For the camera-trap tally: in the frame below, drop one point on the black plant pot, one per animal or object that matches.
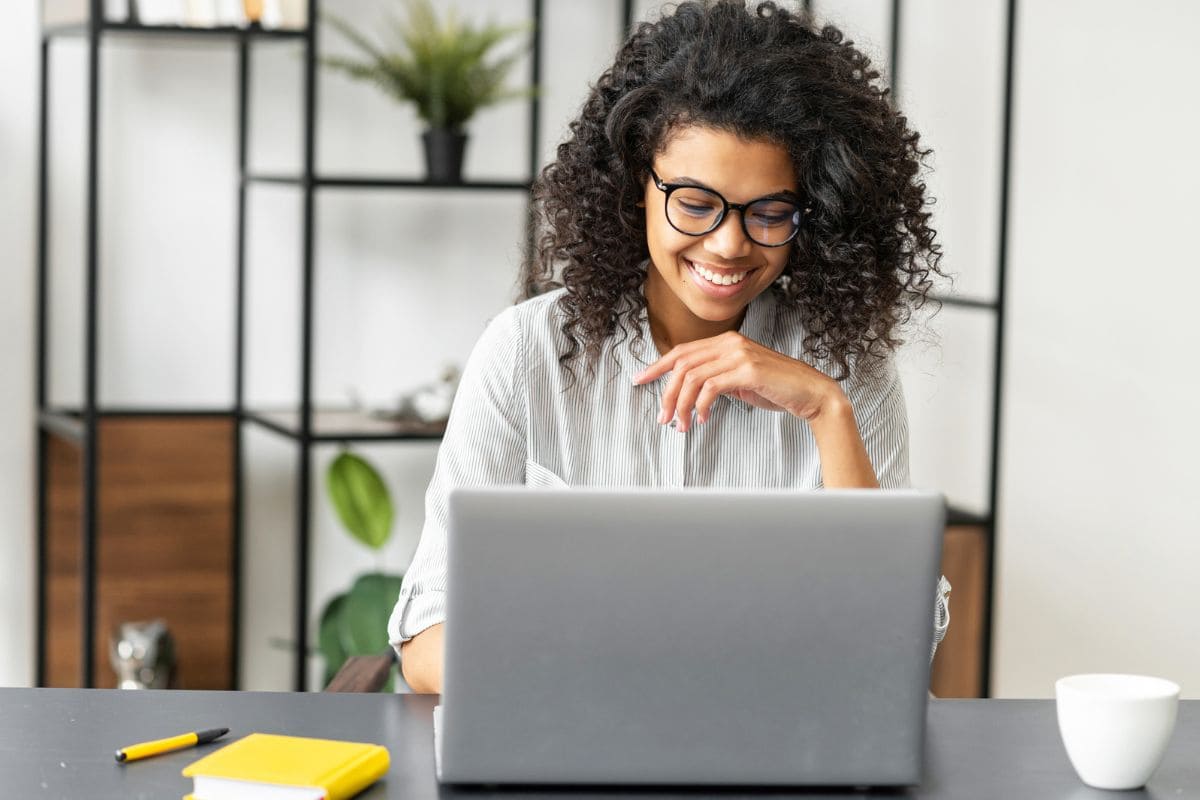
(444, 150)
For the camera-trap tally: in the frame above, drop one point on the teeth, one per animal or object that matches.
(720, 280)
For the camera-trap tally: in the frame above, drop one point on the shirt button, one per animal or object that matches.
(672, 423)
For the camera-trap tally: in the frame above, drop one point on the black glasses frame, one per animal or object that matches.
(668, 188)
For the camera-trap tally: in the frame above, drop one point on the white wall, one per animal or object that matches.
(18, 170)
(1099, 544)
(1094, 518)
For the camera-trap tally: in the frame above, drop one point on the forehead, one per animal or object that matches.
(737, 167)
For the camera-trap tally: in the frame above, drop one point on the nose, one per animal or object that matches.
(728, 240)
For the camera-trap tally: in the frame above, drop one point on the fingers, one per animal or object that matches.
(679, 396)
(726, 382)
(701, 371)
(660, 367)
(652, 372)
(670, 360)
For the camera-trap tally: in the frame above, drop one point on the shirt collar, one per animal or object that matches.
(635, 354)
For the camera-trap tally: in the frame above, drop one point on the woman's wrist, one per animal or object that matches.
(844, 460)
(830, 405)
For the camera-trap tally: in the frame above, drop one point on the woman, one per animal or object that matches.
(733, 233)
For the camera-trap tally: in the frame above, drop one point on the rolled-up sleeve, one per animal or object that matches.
(941, 615)
(484, 444)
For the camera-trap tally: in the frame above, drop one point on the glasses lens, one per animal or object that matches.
(693, 210)
(772, 222)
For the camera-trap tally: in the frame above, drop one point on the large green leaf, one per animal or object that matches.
(360, 499)
(366, 611)
(355, 623)
(329, 640)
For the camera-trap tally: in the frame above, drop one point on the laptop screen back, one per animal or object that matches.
(688, 636)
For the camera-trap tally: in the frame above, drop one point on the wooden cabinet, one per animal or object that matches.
(164, 545)
(958, 665)
(165, 548)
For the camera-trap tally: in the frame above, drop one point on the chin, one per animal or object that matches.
(717, 312)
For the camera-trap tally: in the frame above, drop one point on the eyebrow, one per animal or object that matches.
(786, 194)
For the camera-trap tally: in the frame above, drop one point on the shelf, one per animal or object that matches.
(68, 423)
(146, 411)
(958, 516)
(328, 425)
(135, 29)
(353, 182)
(346, 426)
(87, 429)
(64, 425)
(966, 302)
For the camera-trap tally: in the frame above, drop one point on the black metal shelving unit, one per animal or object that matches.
(987, 519)
(306, 425)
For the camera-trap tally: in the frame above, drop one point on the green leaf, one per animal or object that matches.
(365, 614)
(355, 623)
(360, 499)
(328, 637)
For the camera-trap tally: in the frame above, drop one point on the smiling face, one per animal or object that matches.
(699, 286)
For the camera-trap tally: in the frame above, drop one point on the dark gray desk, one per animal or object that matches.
(58, 743)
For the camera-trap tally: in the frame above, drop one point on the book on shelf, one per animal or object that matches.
(272, 14)
(64, 12)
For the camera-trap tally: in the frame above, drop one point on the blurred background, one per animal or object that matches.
(1066, 216)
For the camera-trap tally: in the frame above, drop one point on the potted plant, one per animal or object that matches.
(354, 623)
(443, 68)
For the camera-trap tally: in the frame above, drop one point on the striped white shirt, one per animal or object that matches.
(518, 419)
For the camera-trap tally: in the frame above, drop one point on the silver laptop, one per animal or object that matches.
(695, 636)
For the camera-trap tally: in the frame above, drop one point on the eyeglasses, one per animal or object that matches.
(695, 211)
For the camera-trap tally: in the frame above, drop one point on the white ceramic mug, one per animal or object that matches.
(1116, 727)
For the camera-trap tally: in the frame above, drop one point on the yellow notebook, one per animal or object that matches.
(294, 768)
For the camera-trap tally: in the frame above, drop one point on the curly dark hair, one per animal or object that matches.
(862, 262)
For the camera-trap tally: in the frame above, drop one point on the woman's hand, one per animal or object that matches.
(739, 367)
(734, 365)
